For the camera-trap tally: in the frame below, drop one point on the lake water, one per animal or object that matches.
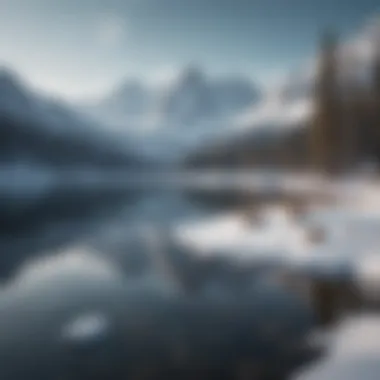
(64, 264)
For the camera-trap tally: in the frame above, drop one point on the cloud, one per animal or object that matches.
(110, 30)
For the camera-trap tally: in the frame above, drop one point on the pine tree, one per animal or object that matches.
(326, 134)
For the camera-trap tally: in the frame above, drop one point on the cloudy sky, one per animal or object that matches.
(80, 48)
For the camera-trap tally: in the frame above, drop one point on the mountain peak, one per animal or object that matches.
(192, 74)
(193, 97)
(130, 85)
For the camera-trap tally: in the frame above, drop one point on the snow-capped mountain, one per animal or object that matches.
(191, 99)
(195, 98)
(34, 128)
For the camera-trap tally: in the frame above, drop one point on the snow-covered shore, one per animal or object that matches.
(351, 235)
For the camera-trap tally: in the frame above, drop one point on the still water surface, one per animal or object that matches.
(64, 264)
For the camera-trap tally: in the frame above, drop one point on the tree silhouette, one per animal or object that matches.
(326, 136)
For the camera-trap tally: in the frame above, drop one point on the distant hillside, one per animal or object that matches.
(34, 129)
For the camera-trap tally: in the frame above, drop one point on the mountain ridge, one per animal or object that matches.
(193, 97)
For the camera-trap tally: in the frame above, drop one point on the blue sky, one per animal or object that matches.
(81, 48)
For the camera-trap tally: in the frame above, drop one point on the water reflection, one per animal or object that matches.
(87, 297)
(52, 222)
(148, 324)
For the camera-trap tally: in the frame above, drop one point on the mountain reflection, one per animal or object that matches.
(85, 299)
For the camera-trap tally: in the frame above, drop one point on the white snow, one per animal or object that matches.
(275, 114)
(353, 354)
(351, 231)
(232, 233)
